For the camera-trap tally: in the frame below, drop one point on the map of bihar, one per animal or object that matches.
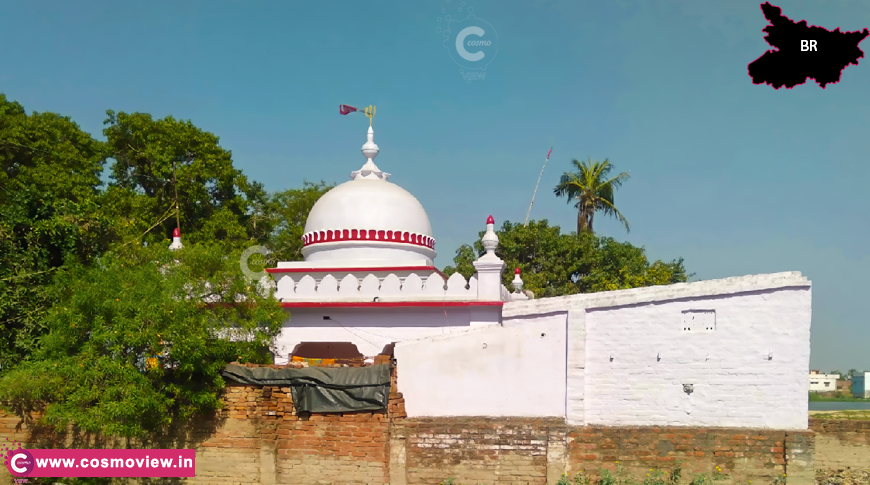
(802, 52)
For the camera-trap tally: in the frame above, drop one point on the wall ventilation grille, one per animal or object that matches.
(699, 321)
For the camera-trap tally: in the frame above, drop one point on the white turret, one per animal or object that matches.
(489, 266)
(518, 293)
(176, 240)
(490, 239)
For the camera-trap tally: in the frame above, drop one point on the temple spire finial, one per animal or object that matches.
(370, 112)
(370, 150)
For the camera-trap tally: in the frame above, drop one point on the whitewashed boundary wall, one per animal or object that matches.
(732, 352)
(516, 370)
(744, 365)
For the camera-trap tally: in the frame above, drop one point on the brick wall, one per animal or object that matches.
(300, 449)
(260, 439)
(538, 451)
(479, 450)
(287, 447)
(741, 453)
(841, 443)
(844, 385)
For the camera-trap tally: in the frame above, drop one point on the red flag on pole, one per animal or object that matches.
(345, 109)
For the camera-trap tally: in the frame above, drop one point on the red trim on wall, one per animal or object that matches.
(387, 304)
(336, 235)
(356, 270)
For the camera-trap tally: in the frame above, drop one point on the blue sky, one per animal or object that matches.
(734, 177)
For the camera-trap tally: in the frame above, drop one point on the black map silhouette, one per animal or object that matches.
(787, 65)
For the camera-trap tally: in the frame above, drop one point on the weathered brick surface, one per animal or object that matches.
(741, 453)
(800, 457)
(316, 448)
(841, 443)
(478, 450)
(259, 438)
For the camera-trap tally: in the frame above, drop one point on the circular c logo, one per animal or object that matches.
(472, 43)
(21, 463)
(460, 40)
(243, 262)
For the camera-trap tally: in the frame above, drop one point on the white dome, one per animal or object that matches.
(369, 204)
(368, 220)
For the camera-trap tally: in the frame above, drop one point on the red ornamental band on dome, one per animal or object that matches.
(490, 220)
(176, 232)
(338, 235)
(517, 271)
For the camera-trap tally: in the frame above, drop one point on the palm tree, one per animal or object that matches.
(592, 191)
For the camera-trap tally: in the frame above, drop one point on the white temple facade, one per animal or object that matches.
(731, 352)
(369, 276)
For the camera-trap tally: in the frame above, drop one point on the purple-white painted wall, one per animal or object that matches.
(749, 370)
(741, 346)
(495, 370)
(731, 352)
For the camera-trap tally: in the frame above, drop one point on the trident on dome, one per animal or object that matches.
(370, 112)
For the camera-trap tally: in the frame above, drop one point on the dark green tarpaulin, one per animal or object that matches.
(323, 389)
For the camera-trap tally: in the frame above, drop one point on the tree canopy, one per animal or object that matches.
(286, 215)
(111, 317)
(86, 301)
(49, 214)
(591, 191)
(154, 158)
(556, 264)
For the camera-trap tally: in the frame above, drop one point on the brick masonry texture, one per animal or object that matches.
(841, 444)
(259, 439)
(743, 454)
(479, 450)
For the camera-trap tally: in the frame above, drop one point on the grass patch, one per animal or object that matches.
(850, 415)
(815, 397)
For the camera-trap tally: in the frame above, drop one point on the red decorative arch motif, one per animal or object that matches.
(337, 235)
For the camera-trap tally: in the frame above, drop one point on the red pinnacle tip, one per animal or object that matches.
(176, 232)
(517, 271)
(490, 220)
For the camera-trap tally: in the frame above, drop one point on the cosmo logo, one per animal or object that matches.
(472, 42)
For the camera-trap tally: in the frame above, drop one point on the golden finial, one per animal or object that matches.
(370, 112)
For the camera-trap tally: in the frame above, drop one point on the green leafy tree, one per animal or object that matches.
(850, 374)
(286, 215)
(49, 213)
(556, 264)
(615, 265)
(137, 341)
(591, 191)
(156, 158)
(550, 261)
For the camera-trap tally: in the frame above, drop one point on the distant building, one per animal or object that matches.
(844, 385)
(823, 382)
(861, 385)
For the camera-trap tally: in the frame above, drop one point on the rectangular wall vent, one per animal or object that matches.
(699, 321)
